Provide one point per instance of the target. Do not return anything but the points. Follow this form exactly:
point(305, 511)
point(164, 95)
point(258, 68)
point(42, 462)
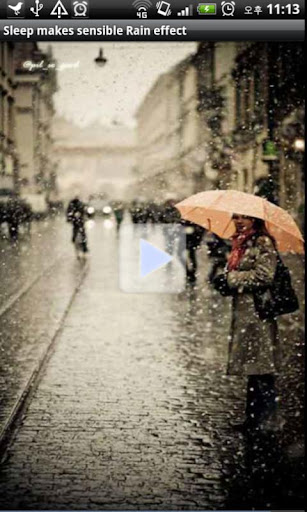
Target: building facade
point(8, 155)
point(251, 98)
point(215, 91)
point(95, 160)
point(35, 79)
point(27, 86)
point(230, 116)
point(167, 132)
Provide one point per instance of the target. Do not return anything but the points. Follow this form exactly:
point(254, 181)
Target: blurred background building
point(8, 154)
point(28, 84)
point(95, 159)
point(35, 82)
point(167, 129)
point(229, 116)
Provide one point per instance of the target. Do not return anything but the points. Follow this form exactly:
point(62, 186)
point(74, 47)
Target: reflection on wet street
point(133, 408)
point(38, 278)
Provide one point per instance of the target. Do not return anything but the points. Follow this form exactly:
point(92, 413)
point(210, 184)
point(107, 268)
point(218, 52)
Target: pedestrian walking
point(193, 238)
point(171, 220)
point(76, 215)
point(119, 215)
point(136, 212)
point(14, 217)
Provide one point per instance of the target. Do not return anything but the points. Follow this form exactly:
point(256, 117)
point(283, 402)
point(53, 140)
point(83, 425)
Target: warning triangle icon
point(59, 10)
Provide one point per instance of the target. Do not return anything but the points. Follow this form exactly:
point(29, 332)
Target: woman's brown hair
point(259, 225)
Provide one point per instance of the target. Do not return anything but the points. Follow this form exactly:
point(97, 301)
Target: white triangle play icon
point(151, 258)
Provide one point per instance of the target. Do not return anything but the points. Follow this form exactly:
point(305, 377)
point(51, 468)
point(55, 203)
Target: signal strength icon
point(187, 11)
point(142, 6)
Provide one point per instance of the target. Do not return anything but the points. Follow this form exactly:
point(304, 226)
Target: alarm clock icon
point(228, 8)
point(80, 8)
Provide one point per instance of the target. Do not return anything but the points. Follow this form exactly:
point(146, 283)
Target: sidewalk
point(292, 382)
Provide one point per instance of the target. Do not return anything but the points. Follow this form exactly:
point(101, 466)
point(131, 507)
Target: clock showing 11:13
point(288, 9)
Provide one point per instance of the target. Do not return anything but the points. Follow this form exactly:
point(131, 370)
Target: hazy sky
point(88, 93)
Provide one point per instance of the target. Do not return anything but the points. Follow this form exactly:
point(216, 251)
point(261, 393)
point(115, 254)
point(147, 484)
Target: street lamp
point(100, 60)
point(299, 144)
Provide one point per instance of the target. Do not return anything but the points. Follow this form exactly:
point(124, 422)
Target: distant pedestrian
point(153, 213)
point(171, 220)
point(135, 212)
point(14, 213)
point(76, 215)
point(119, 215)
point(253, 348)
point(218, 250)
point(193, 236)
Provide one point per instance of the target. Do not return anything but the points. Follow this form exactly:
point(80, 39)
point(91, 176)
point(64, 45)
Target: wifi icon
point(142, 6)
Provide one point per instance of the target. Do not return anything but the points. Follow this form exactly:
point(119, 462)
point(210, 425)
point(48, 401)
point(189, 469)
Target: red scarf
point(239, 246)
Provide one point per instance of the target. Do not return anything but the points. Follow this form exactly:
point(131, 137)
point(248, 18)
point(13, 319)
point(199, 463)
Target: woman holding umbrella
point(256, 231)
point(253, 348)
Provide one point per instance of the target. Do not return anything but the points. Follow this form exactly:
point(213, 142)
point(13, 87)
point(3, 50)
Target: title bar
point(151, 30)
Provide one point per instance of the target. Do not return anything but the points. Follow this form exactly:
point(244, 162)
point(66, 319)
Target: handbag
point(280, 298)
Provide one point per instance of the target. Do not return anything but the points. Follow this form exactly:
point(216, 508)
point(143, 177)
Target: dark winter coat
point(76, 212)
point(194, 234)
point(253, 347)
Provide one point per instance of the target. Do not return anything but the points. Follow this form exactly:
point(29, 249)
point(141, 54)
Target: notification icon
point(164, 8)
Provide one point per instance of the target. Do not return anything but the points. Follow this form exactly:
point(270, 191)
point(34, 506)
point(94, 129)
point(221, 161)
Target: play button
point(152, 258)
point(145, 251)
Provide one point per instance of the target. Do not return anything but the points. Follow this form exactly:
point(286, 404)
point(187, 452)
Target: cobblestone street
point(38, 279)
point(132, 408)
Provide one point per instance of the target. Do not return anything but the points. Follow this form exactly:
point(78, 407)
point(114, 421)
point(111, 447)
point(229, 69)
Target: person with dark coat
point(254, 344)
point(193, 235)
point(171, 220)
point(119, 215)
point(14, 218)
point(218, 250)
point(76, 215)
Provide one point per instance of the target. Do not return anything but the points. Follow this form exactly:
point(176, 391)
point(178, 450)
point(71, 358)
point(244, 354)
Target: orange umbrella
point(214, 209)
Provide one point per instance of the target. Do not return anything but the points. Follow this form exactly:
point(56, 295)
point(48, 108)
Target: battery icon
point(206, 9)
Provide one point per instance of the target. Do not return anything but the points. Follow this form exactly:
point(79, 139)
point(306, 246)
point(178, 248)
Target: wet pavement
point(132, 409)
point(38, 278)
